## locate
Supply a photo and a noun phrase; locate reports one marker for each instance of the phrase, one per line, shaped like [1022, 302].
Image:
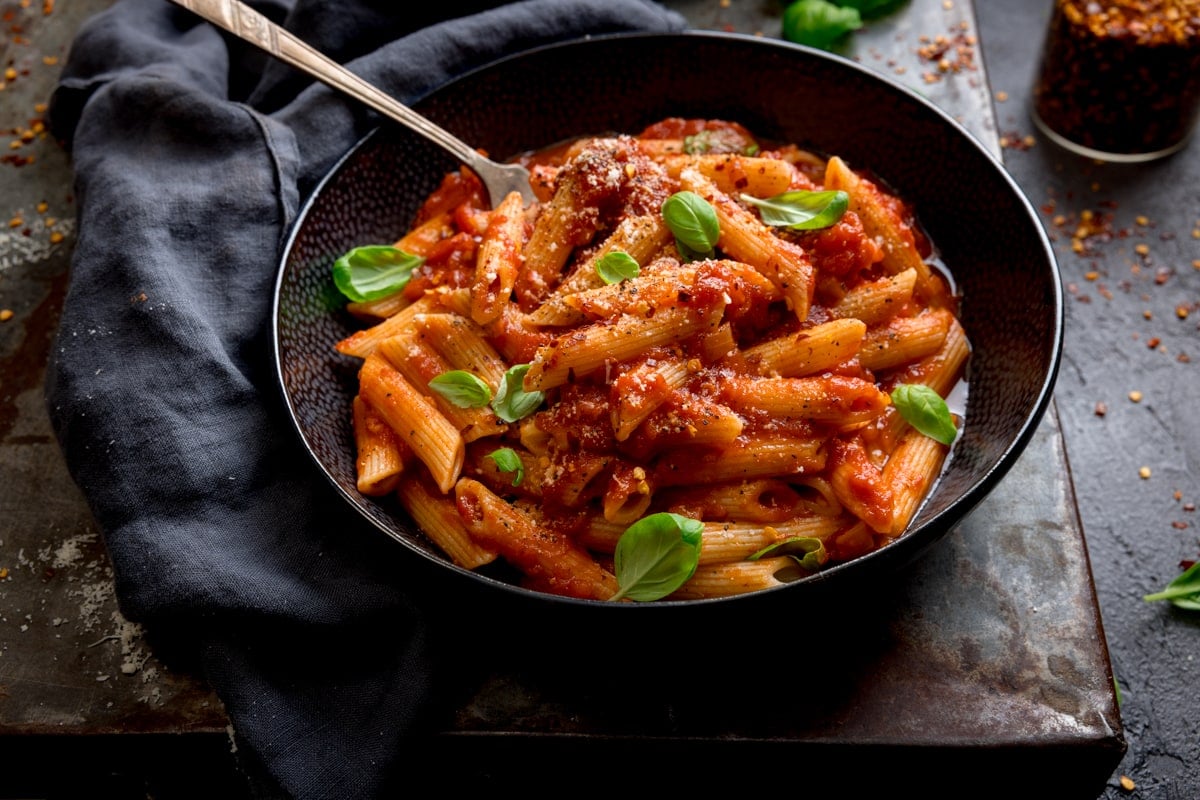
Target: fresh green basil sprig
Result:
[507, 460]
[1183, 592]
[807, 551]
[819, 23]
[617, 266]
[826, 23]
[656, 555]
[709, 141]
[512, 402]
[695, 225]
[462, 388]
[801, 210]
[925, 410]
[372, 271]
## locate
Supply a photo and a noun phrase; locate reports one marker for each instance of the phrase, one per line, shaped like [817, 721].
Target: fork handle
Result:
[251, 26]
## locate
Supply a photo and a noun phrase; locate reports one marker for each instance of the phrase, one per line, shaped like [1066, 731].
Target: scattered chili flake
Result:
[16, 222]
[1181, 311]
[1142, 220]
[55, 237]
[1135, 396]
[1144, 473]
[1001, 96]
[3, 573]
[1142, 249]
[1179, 525]
[1101, 409]
[1189, 506]
[1153, 342]
[49, 61]
[6, 314]
[10, 74]
[1127, 783]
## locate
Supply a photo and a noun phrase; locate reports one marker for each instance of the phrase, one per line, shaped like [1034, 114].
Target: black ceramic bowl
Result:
[984, 228]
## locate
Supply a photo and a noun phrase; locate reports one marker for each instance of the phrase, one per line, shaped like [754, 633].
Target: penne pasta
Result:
[746, 239]
[565, 381]
[415, 419]
[380, 453]
[437, 515]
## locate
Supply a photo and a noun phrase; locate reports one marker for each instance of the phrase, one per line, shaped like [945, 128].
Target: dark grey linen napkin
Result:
[193, 153]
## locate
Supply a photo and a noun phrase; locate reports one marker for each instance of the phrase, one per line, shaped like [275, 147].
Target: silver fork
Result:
[251, 26]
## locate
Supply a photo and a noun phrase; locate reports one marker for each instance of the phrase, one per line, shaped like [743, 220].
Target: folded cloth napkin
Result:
[193, 153]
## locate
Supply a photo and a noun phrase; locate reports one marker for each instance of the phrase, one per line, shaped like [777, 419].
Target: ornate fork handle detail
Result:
[251, 26]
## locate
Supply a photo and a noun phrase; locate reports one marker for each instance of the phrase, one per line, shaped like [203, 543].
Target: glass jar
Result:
[1120, 80]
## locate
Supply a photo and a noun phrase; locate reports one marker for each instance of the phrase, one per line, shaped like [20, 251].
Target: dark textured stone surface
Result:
[1138, 531]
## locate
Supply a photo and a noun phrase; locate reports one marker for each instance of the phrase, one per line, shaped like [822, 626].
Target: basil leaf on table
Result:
[373, 271]
[694, 223]
[925, 410]
[462, 388]
[656, 555]
[819, 23]
[507, 460]
[801, 210]
[512, 402]
[617, 266]
[1183, 592]
[870, 9]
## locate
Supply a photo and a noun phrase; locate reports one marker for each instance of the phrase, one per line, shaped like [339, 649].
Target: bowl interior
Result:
[984, 229]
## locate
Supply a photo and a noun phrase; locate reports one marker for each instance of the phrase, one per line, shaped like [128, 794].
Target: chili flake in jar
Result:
[1120, 80]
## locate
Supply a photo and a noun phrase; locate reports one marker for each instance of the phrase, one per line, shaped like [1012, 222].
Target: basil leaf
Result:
[617, 266]
[1183, 592]
[808, 552]
[462, 388]
[373, 271]
[694, 223]
[696, 143]
[872, 8]
[512, 402]
[507, 460]
[819, 23]
[925, 410]
[656, 555]
[801, 210]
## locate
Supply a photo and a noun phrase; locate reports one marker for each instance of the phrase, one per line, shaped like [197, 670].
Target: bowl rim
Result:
[904, 548]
